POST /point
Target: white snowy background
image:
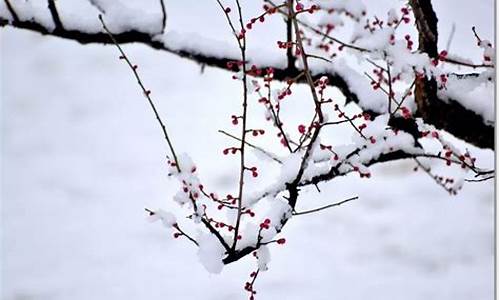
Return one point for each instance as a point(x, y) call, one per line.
point(82, 156)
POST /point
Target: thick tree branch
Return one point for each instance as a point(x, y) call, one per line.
point(447, 115)
point(450, 116)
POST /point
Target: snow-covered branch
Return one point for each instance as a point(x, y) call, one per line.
point(443, 110)
point(404, 97)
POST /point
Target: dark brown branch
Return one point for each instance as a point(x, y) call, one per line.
point(467, 64)
point(15, 17)
point(333, 173)
point(163, 16)
point(479, 40)
point(426, 21)
point(390, 94)
point(241, 40)
point(481, 179)
point(289, 38)
point(176, 226)
point(217, 235)
point(450, 115)
point(55, 15)
point(292, 187)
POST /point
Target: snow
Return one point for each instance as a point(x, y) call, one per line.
point(123, 17)
point(474, 93)
point(210, 253)
point(82, 156)
point(392, 16)
point(354, 7)
point(27, 10)
point(263, 258)
point(167, 218)
point(192, 42)
point(290, 168)
point(360, 85)
point(377, 40)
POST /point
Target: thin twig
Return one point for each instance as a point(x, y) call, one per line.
point(407, 93)
point(324, 35)
point(450, 38)
point(466, 64)
point(319, 57)
point(228, 19)
point(428, 171)
point(186, 235)
point(163, 16)
point(337, 122)
point(145, 91)
point(55, 15)
point(12, 11)
point(289, 39)
point(389, 80)
point(276, 116)
point(479, 180)
point(479, 40)
point(324, 207)
point(266, 153)
point(292, 186)
point(350, 120)
point(176, 226)
point(242, 45)
point(380, 87)
point(376, 65)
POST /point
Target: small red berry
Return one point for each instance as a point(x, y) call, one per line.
point(302, 129)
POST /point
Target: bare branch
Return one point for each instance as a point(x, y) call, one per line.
point(428, 171)
point(446, 115)
point(450, 115)
point(481, 179)
point(324, 207)
point(289, 38)
point(163, 16)
point(12, 11)
point(55, 15)
point(466, 64)
point(145, 91)
point(266, 153)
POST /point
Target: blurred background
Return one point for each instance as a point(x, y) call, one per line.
point(82, 156)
